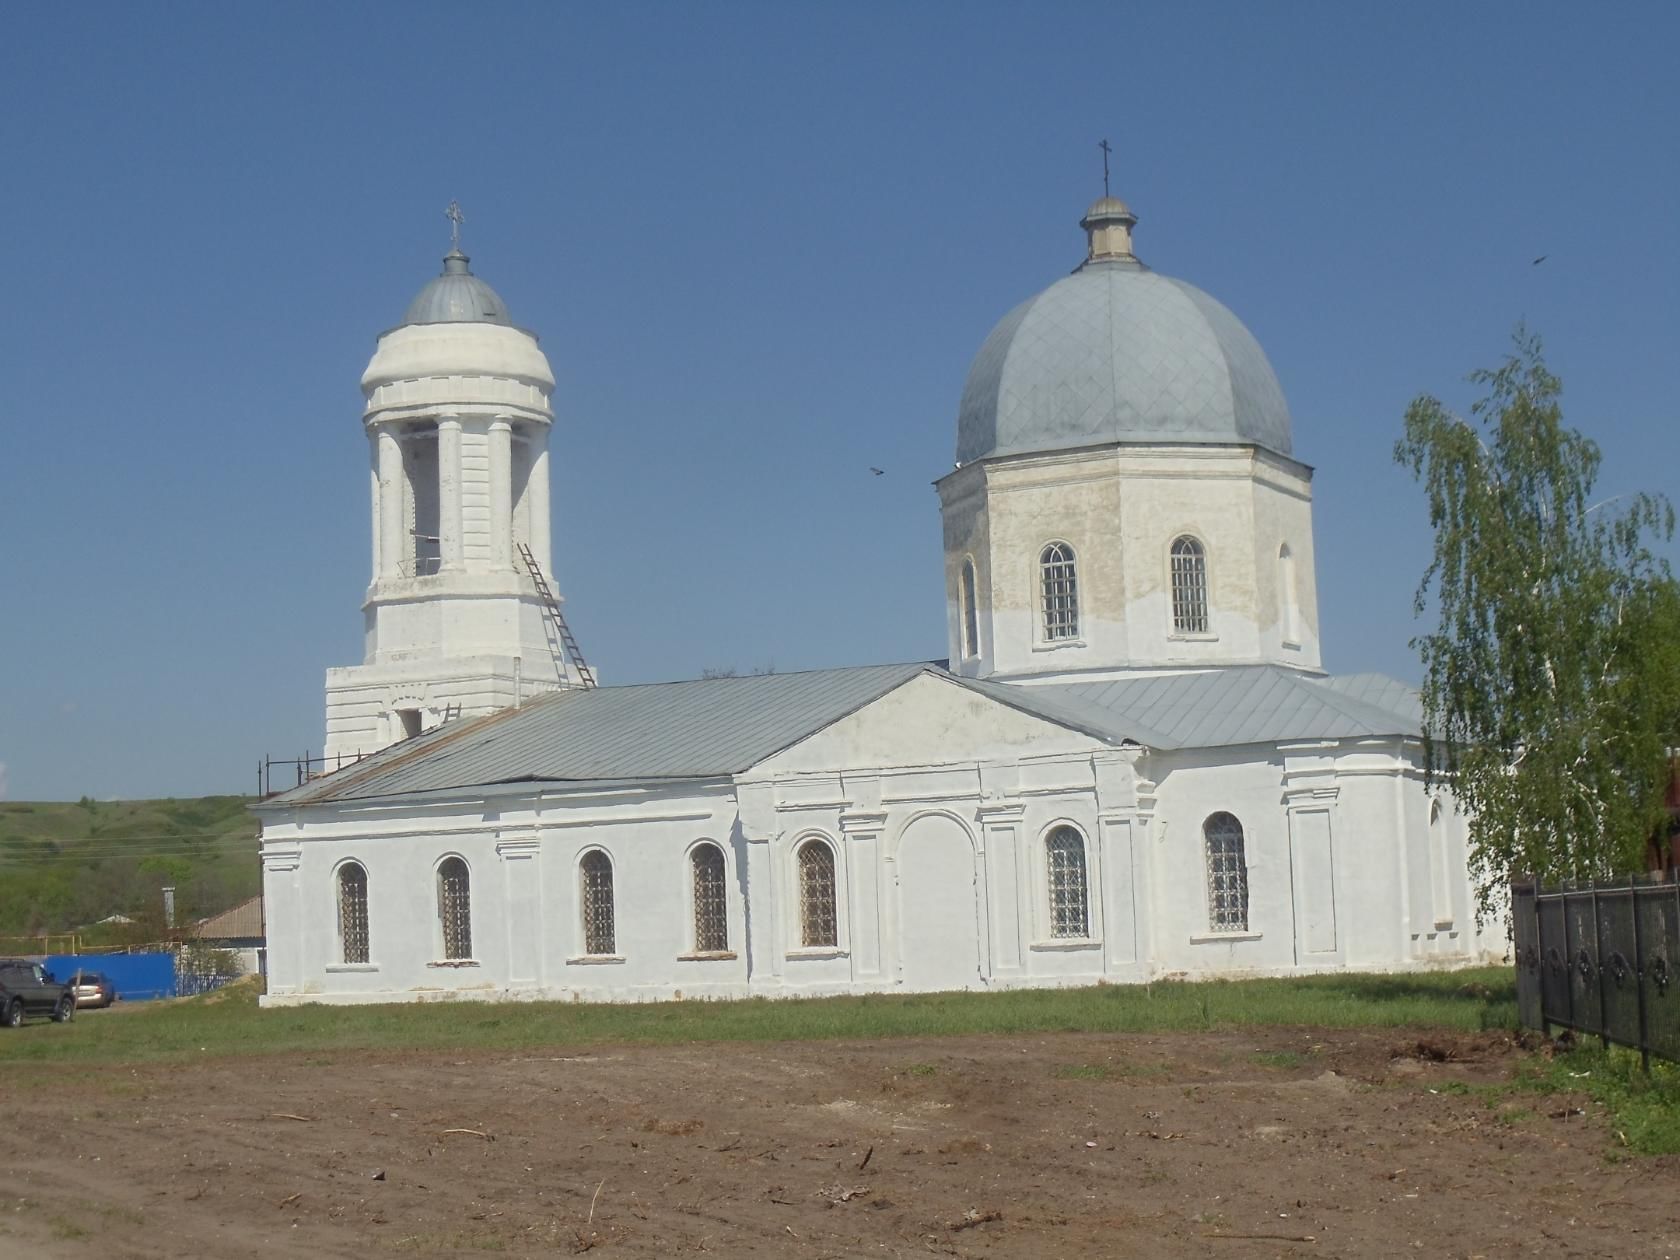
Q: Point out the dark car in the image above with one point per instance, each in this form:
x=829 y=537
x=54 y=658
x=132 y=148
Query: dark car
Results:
x=92 y=988
x=27 y=988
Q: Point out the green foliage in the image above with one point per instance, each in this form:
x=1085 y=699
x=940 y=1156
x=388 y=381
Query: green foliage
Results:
x=1552 y=680
x=67 y=865
x=228 y=1021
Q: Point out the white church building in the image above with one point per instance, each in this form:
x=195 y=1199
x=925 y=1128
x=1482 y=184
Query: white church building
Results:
x=1131 y=766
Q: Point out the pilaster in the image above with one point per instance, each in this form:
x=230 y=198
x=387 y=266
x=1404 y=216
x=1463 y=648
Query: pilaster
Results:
x=1006 y=881
x=522 y=892
x=869 y=899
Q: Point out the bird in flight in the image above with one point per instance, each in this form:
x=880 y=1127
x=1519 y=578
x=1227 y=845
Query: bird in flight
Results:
x=878 y=471
x=1539 y=260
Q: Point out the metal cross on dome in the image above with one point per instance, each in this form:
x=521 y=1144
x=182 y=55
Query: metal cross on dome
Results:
x=456 y=218
x=1106 y=150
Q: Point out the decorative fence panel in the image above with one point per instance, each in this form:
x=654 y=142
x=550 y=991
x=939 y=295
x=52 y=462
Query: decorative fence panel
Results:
x=1601 y=959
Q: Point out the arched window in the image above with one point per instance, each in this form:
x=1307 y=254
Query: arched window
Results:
x=1227 y=874
x=596 y=871
x=711 y=900
x=1289 y=597
x=970 y=613
x=1070 y=909
x=352 y=913
x=1061 y=592
x=817 y=920
x=455 y=908
x=1189 y=586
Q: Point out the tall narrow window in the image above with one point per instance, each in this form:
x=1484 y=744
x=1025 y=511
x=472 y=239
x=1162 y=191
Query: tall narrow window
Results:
x=1227 y=874
x=455 y=908
x=599 y=936
x=1289 y=598
x=352 y=913
x=711 y=900
x=817 y=920
x=1070 y=907
x=1061 y=592
x=970 y=613
x=1189 y=586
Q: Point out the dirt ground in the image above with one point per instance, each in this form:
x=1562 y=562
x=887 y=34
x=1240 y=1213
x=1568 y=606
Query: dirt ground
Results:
x=1256 y=1144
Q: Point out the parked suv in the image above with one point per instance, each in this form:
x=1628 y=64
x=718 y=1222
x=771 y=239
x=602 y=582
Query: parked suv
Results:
x=27 y=988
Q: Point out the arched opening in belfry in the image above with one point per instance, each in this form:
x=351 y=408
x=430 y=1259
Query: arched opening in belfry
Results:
x=424 y=548
x=524 y=458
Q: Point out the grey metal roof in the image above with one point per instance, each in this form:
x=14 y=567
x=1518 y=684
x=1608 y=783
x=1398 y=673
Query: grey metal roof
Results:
x=652 y=732
x=1119 y=353
x=1243 y=704
x=456 y=297
x=713 y=728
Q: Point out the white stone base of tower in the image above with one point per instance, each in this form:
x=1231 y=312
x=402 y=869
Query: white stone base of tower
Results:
x=372 y=706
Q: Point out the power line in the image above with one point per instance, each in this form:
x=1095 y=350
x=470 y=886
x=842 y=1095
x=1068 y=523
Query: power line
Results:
x=168 y=835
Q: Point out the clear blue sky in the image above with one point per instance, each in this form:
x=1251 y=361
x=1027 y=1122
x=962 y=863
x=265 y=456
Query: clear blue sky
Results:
x=761 y=244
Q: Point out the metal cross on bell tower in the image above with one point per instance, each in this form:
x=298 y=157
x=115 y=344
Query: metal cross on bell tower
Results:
x=456 y=218
x=1106 y=150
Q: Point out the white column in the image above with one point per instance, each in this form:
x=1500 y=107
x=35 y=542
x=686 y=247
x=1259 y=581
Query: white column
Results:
x=501 y=493
x=392 y=551
x=537 y=491
x=449 y=492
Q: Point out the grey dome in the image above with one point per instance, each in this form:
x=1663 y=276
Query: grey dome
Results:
x=456 y=297
x=1118 y=353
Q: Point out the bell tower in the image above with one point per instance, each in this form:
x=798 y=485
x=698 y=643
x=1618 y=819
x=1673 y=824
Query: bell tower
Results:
x=457 y=416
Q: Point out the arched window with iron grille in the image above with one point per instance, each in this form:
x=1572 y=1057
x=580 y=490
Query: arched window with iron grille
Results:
x=711 y=899
x=454 y=894
x=352 y=913
x=1189 y=586
x=1059 y=580
x=1227 y=874
x=818 y=922
x=600 y=935
x=1070 y=903
x=970 y=613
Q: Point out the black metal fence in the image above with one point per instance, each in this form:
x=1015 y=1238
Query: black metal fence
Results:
x=1603 y=959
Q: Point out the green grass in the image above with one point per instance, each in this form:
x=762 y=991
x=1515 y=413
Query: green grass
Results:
x=1643 y=1108
x=230 y=1023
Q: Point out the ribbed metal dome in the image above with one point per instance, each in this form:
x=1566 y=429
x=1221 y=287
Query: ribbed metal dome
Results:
x=1118 y=353
x=456 y=297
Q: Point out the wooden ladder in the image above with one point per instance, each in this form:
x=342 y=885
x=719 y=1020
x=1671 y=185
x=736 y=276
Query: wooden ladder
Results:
x=574 y=654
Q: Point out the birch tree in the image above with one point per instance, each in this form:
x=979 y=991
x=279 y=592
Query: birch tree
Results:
x=1552 y=679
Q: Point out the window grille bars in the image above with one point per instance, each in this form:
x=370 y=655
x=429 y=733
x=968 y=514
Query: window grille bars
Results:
x=1061 y=592
x=1189 y=587
x=817 y=920
x=970 y=613
x=1070 y=911
x=352 y=913
x=455 y=909
x=599 y=935
x=711 y=902
x=1227 y=874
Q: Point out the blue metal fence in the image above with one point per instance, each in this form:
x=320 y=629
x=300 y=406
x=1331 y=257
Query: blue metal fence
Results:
x=137 y=977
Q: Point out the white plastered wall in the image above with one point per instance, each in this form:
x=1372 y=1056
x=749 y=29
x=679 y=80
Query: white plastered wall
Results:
x=1336 y=843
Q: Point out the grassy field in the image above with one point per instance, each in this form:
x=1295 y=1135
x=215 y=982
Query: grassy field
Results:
x=230 y=1023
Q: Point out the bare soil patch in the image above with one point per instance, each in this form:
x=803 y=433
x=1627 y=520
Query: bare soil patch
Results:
x=1263 y=1143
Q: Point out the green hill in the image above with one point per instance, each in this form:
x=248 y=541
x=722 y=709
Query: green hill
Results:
x=66 y=865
